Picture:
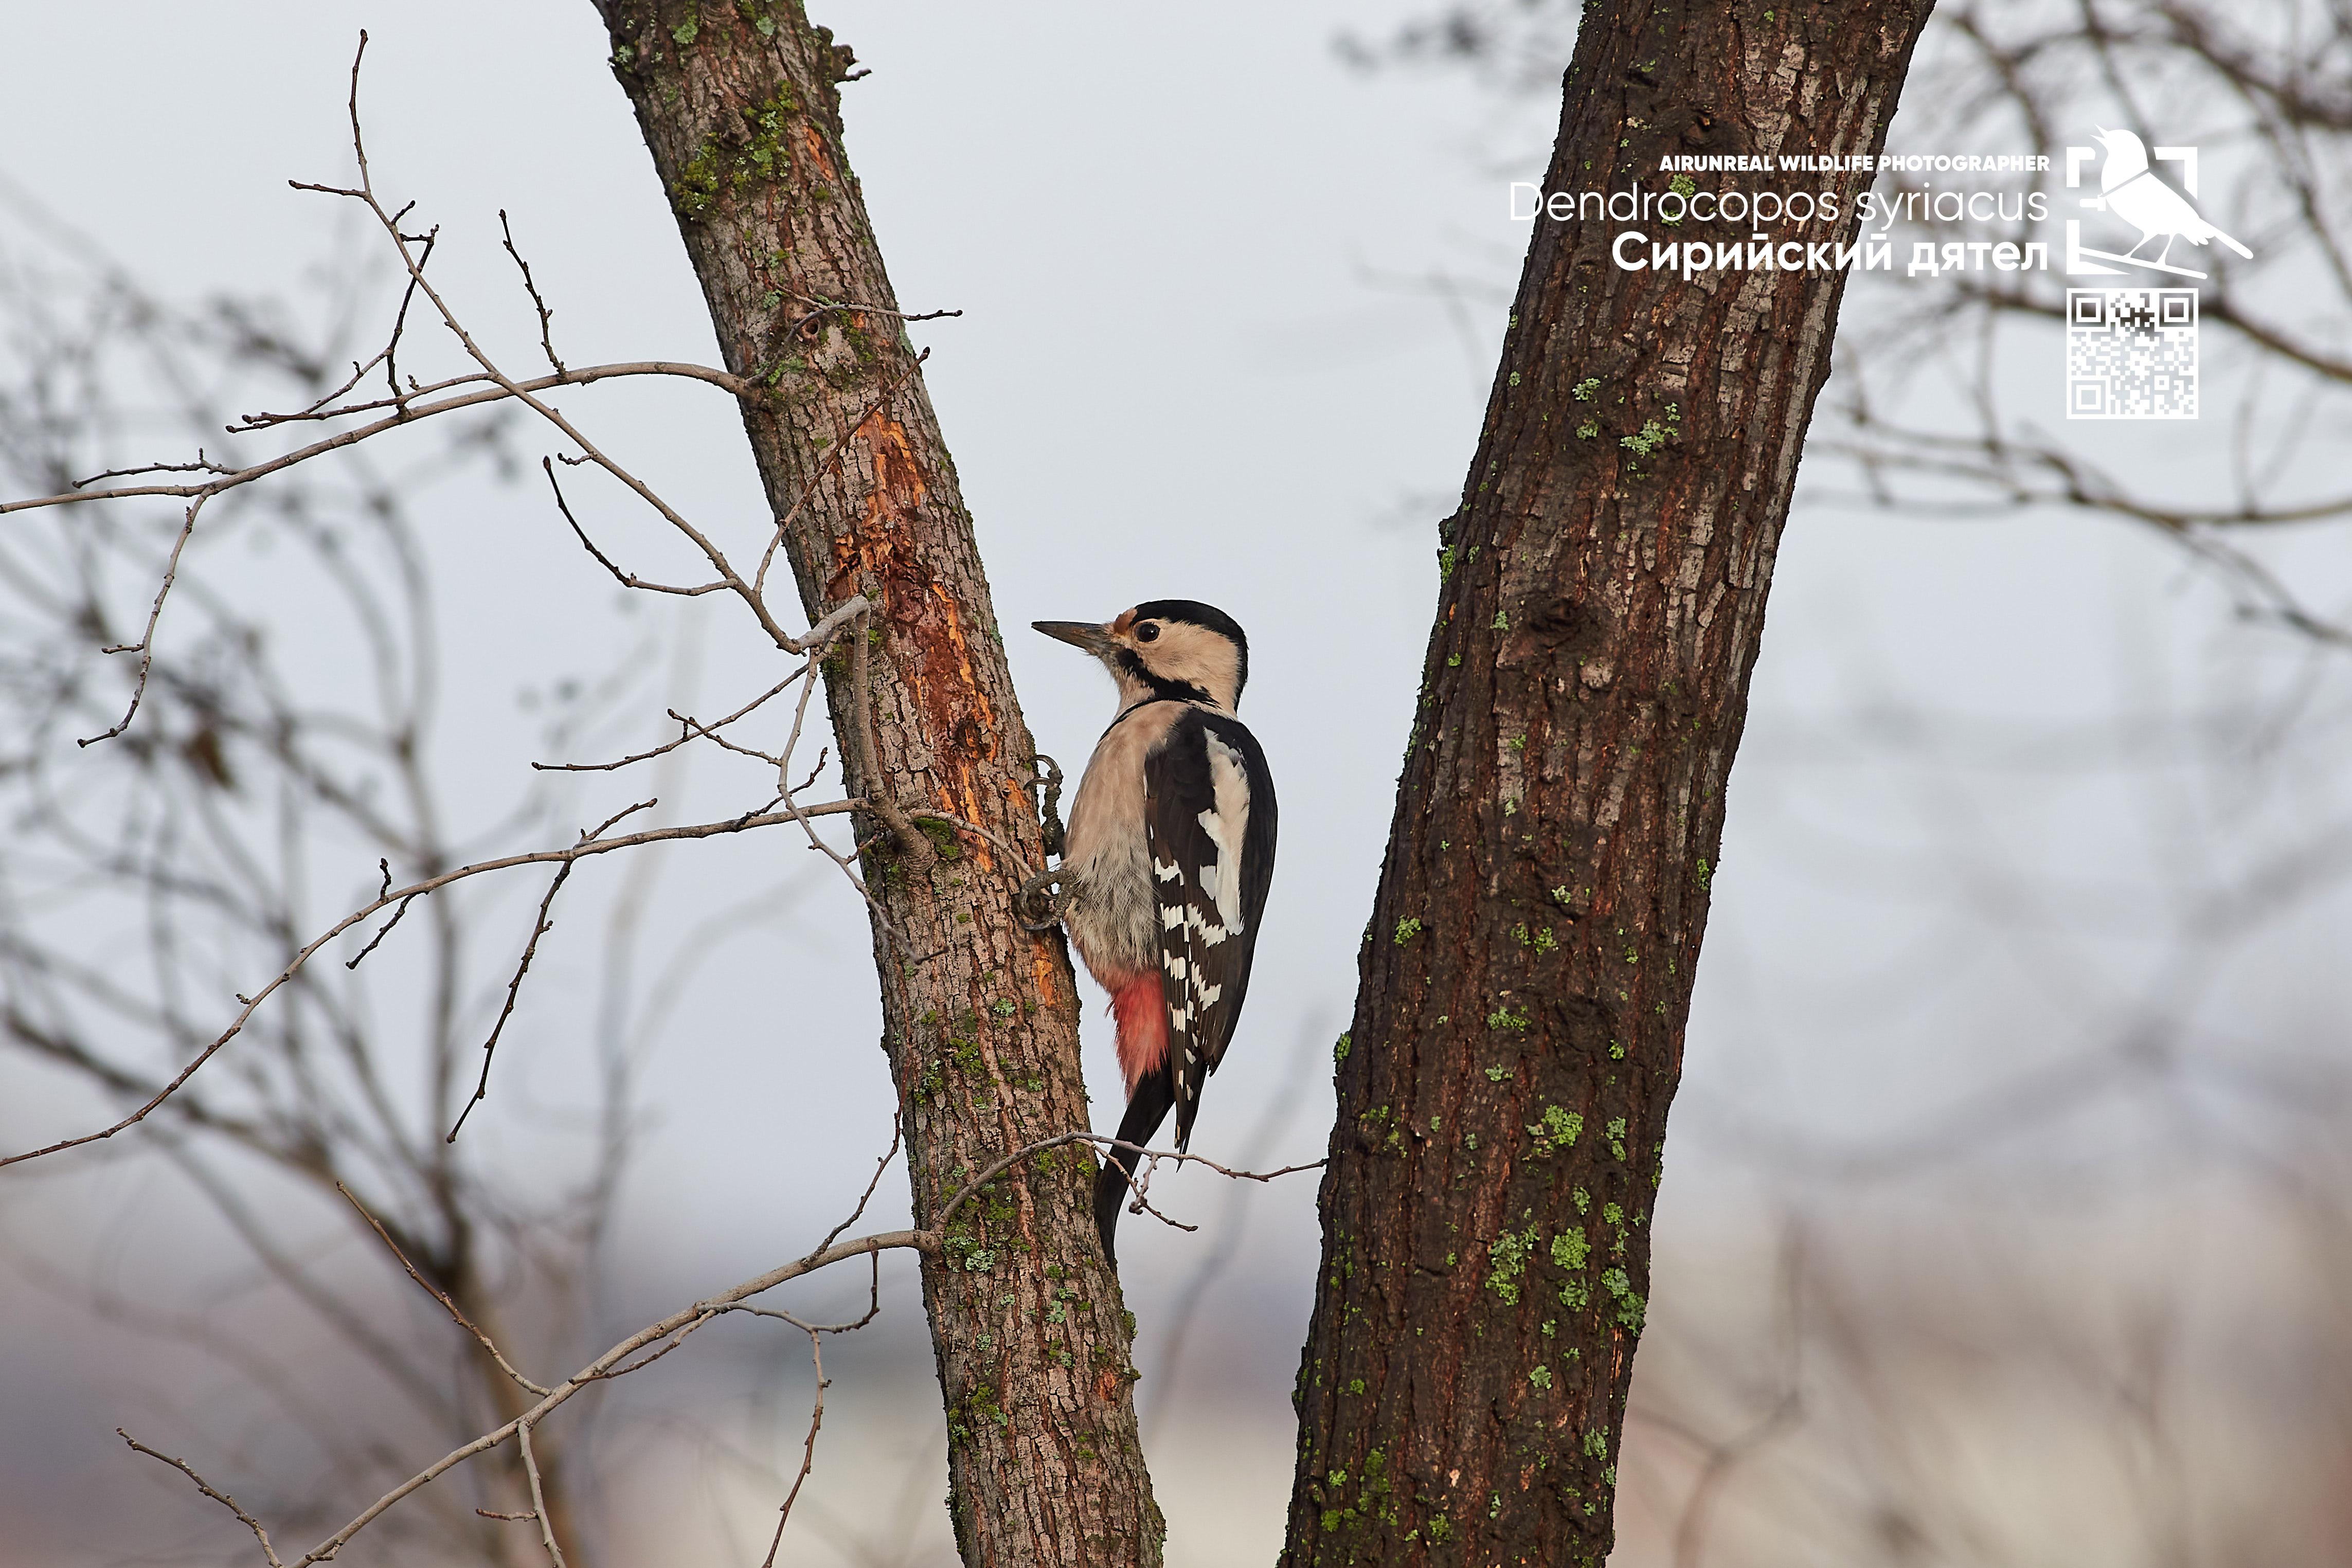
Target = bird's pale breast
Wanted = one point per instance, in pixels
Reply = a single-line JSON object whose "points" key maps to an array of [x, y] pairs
{"points": [[1113, 915]]}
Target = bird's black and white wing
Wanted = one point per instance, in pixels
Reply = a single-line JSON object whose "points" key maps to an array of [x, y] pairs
{"points": [[1209, 814]]}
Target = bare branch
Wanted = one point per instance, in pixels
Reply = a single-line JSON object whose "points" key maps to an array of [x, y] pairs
{"points": [[679, 1323], [2276, 81], [898, 1132], [320, 413], [589, 449], [690, 730], [380, 934], [530, 1469], [206, 1487], [927, 814], [1059, 1140], [203, 464], [438, 1294], [808, 1448], [145, 647], [860, 723], [697, 730], [626, 578], [824, 753], [795, 813], [538, 304], [538, 928], [497, 391], [391, 355], [618, 1360], [872, 1310], [824, 307]]}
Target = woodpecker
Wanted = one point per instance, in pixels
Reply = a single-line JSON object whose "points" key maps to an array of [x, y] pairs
{"points": [[1168, 858]]}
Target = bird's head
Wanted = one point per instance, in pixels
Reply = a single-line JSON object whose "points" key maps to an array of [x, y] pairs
{"points": [[1166, 648], [2125, 148]]}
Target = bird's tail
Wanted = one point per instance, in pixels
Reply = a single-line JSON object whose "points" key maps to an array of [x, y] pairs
{"points": [[2233, 244], [1145, 1110]]}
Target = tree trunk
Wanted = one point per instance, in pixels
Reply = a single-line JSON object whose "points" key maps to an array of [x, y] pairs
{"points": [[1526, 979], [741, 110]]}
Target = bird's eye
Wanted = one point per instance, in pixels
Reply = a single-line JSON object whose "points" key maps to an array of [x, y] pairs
{"points": [[1148, 633]]}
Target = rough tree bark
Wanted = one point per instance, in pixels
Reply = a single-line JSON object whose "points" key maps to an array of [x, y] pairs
{"points": [[1525, 978], [739, 107]]}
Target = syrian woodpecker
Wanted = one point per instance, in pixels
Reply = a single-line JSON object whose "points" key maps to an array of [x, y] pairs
{"points": [[1169, 854]]}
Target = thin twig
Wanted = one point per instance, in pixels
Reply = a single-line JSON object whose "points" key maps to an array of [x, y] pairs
{"points": [[540, 927], [897, 1131], [808, 1448], [145, 647], [872, 1310], [1059, 1139], [682, 1322], [404, 412], [538, 304], [697, 730], [927, 814], [823, 755], [436, 1291], [494, 391], [826, 307], [674, 1328], [589, 450], [201, 465], [842, 861], [221, 1498], [688, 729], [391, 355], [380, 934], [626, 578], [530, 1469], [321, 414]]}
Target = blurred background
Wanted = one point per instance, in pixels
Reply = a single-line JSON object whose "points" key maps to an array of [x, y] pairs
{"points": [[2007, 1217]]}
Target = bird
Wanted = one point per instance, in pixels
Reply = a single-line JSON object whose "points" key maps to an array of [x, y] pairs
{"points": [[1166, 864], [2128, 190]]}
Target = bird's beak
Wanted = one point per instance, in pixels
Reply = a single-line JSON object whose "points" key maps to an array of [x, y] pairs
{"points": [[1094, 639]]}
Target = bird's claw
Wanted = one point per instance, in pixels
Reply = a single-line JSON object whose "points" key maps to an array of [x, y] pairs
{"points": [[1034, 900], [1046, 780]]}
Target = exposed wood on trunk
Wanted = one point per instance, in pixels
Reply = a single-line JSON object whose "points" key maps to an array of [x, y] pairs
{"points": [[1527, 974], [740, 106]]}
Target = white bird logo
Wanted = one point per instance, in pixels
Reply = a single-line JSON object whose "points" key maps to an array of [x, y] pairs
{"points": [[2128, 189]]}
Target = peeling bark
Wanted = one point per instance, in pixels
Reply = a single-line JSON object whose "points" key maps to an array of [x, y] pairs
{"points": [[741, 109], [1527, 974]]}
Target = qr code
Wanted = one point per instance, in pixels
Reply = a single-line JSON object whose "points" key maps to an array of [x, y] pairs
{"points": [[2131, 353]]}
